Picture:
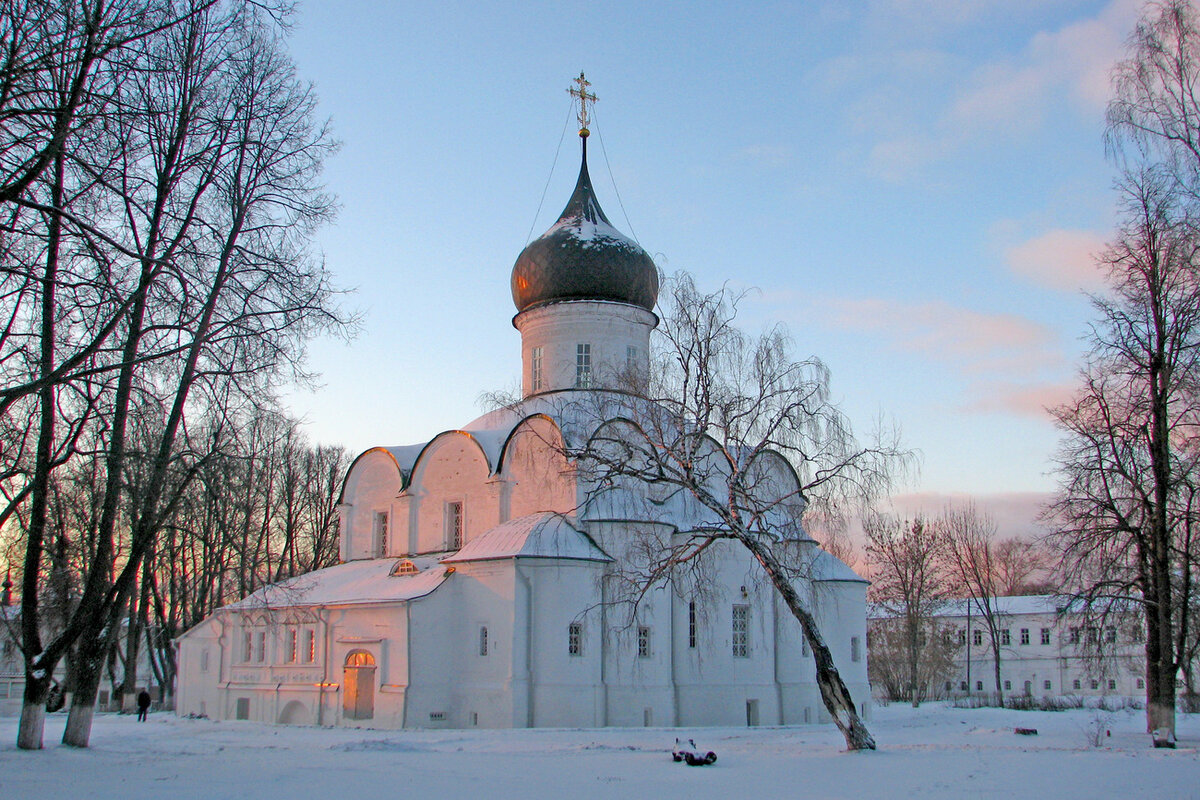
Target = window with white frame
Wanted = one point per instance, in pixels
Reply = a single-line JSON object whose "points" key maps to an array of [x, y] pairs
{"points": [[1075, 684], [979, 686], [1024, 635], [1007, 686], [855, 649], [260, 647], [1046, 685], [293, 645], [643, 641], [575, 639], [962, 637], [248, 647], [483, 640], [1028, 687], [977, 637], [1005, 639], [1095, 684], [1045, 636], [1112, 684], [741, 631], [1141, 683], [583, 366], [454, 525], [535, 369], [310, 650]]}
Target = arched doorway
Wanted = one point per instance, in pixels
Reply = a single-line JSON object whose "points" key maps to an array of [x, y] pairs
{"points": [[359, 686]]}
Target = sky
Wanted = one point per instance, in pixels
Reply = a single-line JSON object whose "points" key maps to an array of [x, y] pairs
{"points": [[915, 189]]}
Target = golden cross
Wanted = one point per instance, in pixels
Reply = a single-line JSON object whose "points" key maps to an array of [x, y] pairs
{"points": [[585, 97]]}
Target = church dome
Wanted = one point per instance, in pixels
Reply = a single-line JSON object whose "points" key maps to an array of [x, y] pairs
{"points": [[583, 257]]}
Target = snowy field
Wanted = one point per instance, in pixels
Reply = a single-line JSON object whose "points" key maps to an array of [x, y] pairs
{"points": [[933, 752]]}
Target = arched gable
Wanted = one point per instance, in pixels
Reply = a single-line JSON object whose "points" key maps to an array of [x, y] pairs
{"points": [[535, 471], [449, 498]]}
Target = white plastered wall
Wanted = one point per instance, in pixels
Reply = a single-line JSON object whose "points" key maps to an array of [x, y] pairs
{"points": [[557, 328]]}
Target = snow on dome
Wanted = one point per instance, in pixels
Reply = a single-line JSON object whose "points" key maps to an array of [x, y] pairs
{"points": [[583, 257]]}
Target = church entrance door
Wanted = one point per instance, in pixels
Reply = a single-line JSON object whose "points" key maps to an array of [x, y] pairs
{"points": [[359, 686]]}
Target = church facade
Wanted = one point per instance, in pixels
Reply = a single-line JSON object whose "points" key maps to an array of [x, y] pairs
{"points": [[472, 587]]}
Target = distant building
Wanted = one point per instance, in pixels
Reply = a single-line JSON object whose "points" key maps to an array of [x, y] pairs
{"points": [[1046, 650], [471, 591]]}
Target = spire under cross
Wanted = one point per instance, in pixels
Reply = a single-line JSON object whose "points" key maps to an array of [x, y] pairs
{"points": [[585, 97]]}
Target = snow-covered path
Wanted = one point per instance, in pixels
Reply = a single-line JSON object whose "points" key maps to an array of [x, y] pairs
{"points": [[933, 751]]}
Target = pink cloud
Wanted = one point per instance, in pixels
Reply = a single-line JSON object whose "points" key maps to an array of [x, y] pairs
{"points": [[973, 341], [1060, 259], [1031, 400]]}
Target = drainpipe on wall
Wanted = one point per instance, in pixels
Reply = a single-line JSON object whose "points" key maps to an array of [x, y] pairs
{"points": [[529, 716], [323, 616]]}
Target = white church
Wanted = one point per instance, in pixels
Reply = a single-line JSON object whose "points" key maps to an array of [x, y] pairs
{"points": [[471, 589]]}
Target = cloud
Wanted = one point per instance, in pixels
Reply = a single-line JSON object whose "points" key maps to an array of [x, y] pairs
{"points": [[1015, 93], [1060, 259], [1025, 399], [1015, 513], [973, 341]]}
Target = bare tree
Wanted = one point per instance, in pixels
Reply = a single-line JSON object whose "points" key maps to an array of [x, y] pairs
{"points": [[904, 559], [1021, 567], [968, 538], [1125, 518], [747, 438]]}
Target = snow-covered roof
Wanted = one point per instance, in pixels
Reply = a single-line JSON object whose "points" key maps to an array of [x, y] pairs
{"points": [[542, 535], [828, 567], [355, 582]]}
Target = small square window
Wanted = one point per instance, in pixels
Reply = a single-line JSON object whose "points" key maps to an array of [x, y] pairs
{"points": [[1046, 685], [1095, 685], [979, 686], [575, 639], [1007, 685], [1112, 685], [1141, 683], [1075, 684], [643, 641]]}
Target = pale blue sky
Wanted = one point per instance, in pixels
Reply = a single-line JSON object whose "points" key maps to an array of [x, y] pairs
{"points": [[914, 187]]}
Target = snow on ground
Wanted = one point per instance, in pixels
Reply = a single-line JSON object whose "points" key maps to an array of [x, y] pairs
{"points": [[931, 752]]}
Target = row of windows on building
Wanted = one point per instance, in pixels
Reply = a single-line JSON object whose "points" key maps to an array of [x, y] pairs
{"points": [[299, 647], [583, 366], [455, 524], [1076, 685], [1074, 636], [739, 640]]}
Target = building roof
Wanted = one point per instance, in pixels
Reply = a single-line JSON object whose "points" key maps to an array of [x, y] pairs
{"points": [[545, 534], [352, 583], [583, 257]]}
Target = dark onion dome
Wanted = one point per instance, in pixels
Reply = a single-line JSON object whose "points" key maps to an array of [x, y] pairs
{"points": [[583, 257]]}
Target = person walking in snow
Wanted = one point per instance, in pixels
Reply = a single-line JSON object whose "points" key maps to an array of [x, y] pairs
{"points": [[143, 705]]}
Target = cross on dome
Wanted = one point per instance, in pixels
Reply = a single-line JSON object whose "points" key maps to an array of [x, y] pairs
{"points": [[585, 97]]}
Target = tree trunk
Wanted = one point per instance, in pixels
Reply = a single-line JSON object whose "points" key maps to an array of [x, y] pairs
{"points": [[91, 654], [834, 693], [33, 713]]}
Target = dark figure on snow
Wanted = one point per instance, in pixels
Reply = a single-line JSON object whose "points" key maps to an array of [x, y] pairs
{"points": [[143, 704]]}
